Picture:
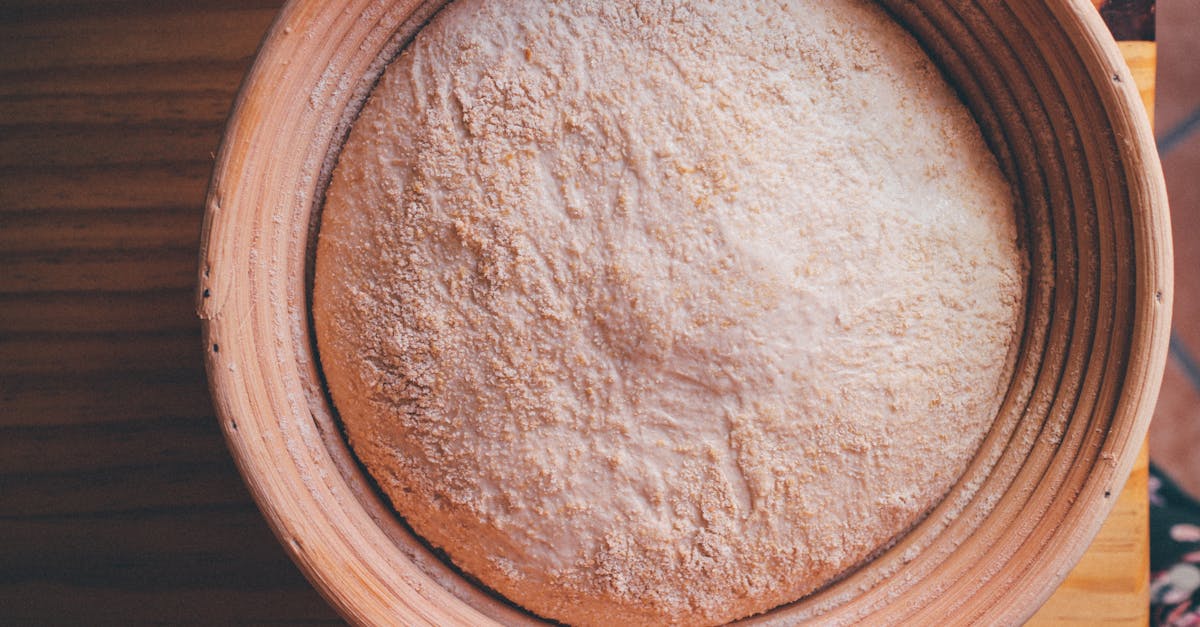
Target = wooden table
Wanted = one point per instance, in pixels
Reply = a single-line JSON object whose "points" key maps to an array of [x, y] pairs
{"points": [[118, 501]]}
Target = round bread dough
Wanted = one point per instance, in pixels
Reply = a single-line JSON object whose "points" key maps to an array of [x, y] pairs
{"points": [[665, 311]]}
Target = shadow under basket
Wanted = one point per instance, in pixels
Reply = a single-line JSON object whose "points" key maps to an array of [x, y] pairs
{"points": [[1057, 105]]}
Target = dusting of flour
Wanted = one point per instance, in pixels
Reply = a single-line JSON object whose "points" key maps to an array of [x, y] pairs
{"points": [[665, 311]]}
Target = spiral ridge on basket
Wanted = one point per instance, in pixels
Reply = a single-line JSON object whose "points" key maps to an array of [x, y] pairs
{"points": [[1056, 104]]}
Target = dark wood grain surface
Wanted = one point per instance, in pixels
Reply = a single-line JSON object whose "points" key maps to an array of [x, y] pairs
{"points": [[119, 503]]}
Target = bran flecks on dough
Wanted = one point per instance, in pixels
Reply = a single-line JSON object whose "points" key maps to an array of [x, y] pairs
{"points": [[663, 311]]}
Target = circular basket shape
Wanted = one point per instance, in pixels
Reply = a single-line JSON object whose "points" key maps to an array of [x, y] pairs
{"points": [[1055, 102]]}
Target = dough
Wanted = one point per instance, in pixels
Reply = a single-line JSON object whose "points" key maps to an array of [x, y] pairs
{"points": [[665, 311]]}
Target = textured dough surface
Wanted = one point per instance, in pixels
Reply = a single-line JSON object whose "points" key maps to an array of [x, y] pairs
{"points": [[665, 311]]}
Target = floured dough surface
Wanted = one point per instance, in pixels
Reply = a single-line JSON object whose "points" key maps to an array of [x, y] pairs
{"points": [[665, 311]]}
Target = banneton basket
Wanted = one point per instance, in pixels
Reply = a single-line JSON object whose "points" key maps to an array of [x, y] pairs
{"points": [[1056, 103]]}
